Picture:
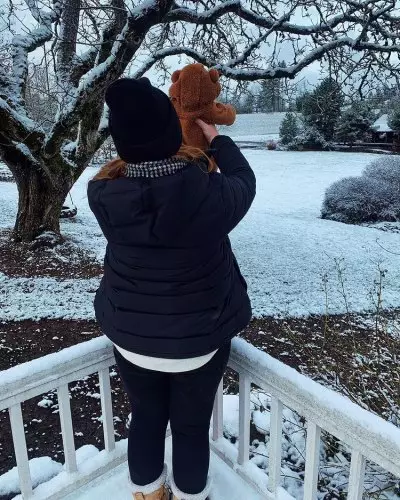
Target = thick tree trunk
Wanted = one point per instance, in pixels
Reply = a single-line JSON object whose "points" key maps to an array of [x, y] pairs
{"points": [[39, 207]]}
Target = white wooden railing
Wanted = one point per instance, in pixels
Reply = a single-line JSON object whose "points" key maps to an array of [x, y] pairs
{"points": [[368, 436]]}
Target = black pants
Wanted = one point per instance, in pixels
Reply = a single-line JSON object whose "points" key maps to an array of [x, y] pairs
{"points": [[186, 400]]}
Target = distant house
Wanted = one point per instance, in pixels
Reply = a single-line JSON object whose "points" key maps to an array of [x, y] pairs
{"points": [[381, 132]]}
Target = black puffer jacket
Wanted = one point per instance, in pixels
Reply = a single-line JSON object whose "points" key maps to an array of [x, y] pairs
{"points": [[172, 287]]}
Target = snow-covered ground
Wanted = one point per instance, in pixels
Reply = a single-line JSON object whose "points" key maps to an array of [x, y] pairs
{"points": [[257, 127], [286, 252]]}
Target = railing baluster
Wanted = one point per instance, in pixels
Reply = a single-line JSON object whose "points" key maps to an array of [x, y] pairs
{"points": [[21, 453], [244, 418], [106, 408], [66, 428], [218, 414], [275, 445], [357, 476], [312, 461]]}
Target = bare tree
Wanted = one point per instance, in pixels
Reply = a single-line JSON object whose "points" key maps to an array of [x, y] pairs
{"points": [[86, 44]]}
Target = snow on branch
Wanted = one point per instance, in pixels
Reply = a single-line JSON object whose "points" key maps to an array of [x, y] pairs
{"points": [[22, 45], [91, 88], [243, 74], [83, 63], [19, 127], [172, 51], [314, 55], [235, 7]]}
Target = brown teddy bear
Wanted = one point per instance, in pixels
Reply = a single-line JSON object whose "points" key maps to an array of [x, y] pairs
{"points": [[193, 93]]}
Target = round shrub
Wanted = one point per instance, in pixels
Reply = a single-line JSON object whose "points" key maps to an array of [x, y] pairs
{"points": [[360, 199], [309, 139], [271, 145], [386, 168]]}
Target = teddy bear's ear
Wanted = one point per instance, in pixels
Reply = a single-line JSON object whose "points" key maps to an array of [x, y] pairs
{"points": [[214, 75], [175, 75]]}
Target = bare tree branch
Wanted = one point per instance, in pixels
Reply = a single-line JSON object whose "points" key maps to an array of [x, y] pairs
{"points": [[235, 7], [93, 87], [23, 45], [19, 128]]}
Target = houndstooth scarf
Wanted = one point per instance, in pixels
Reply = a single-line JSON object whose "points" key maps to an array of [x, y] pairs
{"points": [[159, 168]]}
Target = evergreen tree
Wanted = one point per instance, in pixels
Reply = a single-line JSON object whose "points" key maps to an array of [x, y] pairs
{"points": [[242, 98], [394, 118], [301, 102], [354, 123], [289, 128], [271, 94], [321, 108], [394, 124], [270, 97], [249, 103], [264, 97]]}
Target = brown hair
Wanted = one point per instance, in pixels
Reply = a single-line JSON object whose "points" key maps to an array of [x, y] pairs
{"points": [[115, 168]]}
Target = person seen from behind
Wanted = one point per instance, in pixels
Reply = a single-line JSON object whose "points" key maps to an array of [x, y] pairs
{"points": [[172, 296]]}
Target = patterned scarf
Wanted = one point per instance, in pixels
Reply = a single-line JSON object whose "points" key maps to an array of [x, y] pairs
{"points": [[159, 168]]}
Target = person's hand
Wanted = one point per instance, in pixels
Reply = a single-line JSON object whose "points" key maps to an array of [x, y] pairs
{"points": [[209, 131]]}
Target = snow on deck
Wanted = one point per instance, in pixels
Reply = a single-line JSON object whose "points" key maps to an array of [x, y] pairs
{"points": [[227, 485], [286, 252]]}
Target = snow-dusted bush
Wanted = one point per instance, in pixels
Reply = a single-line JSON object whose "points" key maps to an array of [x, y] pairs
{"points": [[373, 197], [5, 174], [308, 139], [271, 145], [334, 457], [360, 199], [386, 168], [354, 123]]}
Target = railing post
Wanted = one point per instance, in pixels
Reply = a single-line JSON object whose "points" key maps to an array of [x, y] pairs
{"points": [[275, 445], [218, 413], [21, 453], [357, 476], [66, 428], [244, 418], [312, 461], [106, 409]]}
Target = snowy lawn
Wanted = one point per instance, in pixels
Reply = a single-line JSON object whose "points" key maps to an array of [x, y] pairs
{"points": [[257, 127], [293, 261]]}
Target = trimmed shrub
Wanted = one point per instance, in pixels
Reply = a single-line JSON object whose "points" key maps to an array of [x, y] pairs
{"points": [[309, 139], [271, 145], [386, 168], [360, 199]]}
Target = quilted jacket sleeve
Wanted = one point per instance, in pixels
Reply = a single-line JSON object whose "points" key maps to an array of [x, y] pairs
{"points": [[237, 184]]}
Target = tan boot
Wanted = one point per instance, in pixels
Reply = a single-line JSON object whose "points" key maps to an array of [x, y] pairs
{"points": [[161, 494]]}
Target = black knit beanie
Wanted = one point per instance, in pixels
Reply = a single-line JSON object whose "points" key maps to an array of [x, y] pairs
{"points": [[143, 122]]}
